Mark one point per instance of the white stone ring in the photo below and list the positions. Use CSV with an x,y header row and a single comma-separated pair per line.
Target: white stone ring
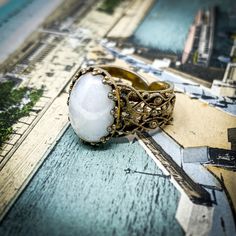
x,y
109,101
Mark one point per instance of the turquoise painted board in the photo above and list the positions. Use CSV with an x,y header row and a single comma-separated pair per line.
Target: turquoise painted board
x,y
83,190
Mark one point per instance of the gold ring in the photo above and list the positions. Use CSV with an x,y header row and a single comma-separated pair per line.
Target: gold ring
x,y
109,101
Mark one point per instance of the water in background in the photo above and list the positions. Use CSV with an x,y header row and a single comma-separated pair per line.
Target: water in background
x,y
11,8
166,26
18,19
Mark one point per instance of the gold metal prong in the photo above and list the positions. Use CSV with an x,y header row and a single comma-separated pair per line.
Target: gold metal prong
x,y
83,71
110,95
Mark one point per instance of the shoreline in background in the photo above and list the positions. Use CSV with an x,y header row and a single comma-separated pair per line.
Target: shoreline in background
x,y
56,13
18,30
170,27
127,25
159,36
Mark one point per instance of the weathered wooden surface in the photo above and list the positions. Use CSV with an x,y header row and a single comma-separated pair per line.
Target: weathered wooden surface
x,y
81,190
27,158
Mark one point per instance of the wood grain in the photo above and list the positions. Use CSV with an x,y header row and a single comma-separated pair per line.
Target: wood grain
x,y
17,172
82,190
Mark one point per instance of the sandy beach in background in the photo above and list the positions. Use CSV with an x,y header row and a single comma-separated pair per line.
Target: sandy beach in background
x,y
132,18
14,32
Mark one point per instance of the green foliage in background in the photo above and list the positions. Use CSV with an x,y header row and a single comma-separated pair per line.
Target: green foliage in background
x,y
195,57
12,108
108,6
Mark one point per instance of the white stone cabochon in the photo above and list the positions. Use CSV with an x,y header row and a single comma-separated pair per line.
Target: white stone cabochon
x,y
90,107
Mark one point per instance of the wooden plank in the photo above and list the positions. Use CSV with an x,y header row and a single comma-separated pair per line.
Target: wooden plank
x,y
84,190
31,153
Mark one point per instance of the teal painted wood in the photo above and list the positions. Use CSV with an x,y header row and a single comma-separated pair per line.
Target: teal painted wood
x,y
82,190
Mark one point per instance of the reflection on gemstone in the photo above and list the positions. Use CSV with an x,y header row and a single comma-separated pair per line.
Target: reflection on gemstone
x,y
90,108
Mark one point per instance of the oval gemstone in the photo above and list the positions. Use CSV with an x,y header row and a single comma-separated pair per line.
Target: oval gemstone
x,y
90,107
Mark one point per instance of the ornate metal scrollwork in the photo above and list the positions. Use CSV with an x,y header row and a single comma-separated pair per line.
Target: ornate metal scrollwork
x,y
143,110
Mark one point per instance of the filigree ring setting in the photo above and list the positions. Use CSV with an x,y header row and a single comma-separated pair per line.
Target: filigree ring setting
x,y
109,101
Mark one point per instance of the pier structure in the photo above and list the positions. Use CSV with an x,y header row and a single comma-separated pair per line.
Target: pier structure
x,y
199,43
227,87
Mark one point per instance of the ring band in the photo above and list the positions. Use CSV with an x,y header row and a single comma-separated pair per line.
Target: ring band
x,y
108,101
